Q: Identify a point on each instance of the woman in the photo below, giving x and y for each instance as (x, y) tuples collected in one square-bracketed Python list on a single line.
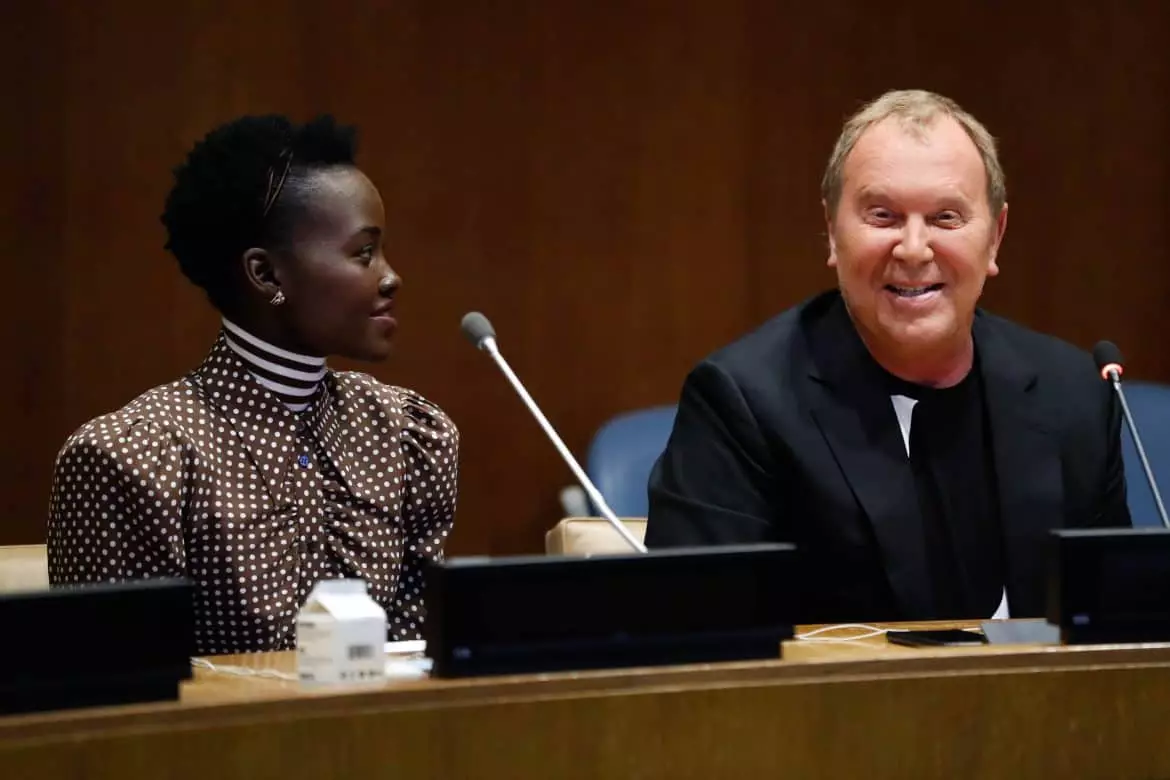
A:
[(263, 472)]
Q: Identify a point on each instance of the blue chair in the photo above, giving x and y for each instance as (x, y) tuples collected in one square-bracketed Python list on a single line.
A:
[(1149, 402), (619, 461)]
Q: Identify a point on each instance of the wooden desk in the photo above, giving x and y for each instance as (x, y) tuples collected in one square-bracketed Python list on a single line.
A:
[(831, 710)]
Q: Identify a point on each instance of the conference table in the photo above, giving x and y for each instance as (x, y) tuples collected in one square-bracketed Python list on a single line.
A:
[(831, 707)]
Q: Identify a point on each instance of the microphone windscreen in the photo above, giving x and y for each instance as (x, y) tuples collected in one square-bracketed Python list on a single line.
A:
[(476, 328), (1106, 353)]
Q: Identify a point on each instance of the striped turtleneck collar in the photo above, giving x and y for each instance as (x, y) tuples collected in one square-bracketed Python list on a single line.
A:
[(290, 377)]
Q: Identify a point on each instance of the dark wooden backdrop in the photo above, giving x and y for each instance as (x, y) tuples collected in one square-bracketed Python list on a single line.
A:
[(621, 187)]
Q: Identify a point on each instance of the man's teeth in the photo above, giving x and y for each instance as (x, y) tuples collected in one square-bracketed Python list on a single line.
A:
[(911, 292)]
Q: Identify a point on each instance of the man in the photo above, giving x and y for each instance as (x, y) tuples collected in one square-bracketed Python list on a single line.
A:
[(915, 449)]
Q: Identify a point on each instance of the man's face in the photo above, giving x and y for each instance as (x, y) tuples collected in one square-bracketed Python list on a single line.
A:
[(913, 238)]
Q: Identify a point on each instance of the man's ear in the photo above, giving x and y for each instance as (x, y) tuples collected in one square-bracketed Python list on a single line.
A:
[(1000, 229), (829, 233)]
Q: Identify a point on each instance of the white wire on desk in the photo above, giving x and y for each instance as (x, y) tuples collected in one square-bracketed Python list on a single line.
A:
[(243, 671), (411, 664), (870, 632), (404, 660)]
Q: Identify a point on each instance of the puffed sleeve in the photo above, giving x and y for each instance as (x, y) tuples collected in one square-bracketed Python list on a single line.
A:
[(115, 512), (430, 449)]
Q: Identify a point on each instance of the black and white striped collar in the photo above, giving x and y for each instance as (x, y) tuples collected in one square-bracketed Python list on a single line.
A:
[(291, 377)]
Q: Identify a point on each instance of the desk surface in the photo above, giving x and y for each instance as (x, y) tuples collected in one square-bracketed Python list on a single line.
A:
[(826, 709)]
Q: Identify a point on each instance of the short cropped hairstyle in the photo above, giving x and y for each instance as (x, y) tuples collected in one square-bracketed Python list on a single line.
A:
[(239, 187)]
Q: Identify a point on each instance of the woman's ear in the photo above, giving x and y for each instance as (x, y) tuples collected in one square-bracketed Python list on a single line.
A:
[(260, 272)]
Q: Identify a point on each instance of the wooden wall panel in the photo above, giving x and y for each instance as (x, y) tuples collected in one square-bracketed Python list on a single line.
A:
[(620, 187), (35, 271)]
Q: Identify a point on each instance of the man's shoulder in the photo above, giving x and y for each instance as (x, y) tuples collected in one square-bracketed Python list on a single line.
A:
[(1043, 352), (772, 343)]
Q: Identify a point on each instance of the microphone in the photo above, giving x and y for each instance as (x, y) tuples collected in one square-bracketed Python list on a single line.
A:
[(1111, 365), (479, 331)]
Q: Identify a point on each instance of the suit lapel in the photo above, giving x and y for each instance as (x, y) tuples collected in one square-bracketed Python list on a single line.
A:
[(859, 424), (1027, 463), (883, 484)]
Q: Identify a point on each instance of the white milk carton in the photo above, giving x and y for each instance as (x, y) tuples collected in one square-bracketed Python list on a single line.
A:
[(341, 633)]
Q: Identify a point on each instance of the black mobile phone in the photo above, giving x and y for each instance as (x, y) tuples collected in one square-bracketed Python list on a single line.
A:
[(947, 637)]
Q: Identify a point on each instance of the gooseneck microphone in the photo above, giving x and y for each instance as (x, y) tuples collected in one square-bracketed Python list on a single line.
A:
[(1111, 366), (479, 331)]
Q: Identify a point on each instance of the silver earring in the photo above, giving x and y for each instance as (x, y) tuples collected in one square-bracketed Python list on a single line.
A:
[(278, 298)]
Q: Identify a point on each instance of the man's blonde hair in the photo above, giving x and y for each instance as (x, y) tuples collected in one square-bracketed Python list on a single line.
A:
[(916, 110)]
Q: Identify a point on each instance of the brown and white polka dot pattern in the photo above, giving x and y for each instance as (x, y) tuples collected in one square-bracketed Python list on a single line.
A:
[(214, 479)]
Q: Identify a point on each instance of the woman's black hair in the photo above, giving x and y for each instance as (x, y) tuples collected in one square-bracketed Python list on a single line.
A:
[(238, 188)]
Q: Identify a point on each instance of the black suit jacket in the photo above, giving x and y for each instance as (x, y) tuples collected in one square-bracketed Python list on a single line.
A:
[(783, 436)]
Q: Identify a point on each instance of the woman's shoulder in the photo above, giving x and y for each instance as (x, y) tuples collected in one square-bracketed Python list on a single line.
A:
[(412, 408), (152, 419)]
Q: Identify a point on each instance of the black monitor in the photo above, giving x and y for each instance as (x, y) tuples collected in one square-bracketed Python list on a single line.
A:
[(1110, 585), (90, 645), (548, 613)]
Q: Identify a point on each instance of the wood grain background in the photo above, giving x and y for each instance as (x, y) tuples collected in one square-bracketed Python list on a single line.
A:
[(621, 187)]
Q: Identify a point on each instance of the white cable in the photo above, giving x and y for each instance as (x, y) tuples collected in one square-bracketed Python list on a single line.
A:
[(403, 659), (870, 632), (243, 671)]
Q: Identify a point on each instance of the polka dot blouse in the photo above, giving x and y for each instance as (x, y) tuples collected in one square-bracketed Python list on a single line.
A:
[(213, 478)]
